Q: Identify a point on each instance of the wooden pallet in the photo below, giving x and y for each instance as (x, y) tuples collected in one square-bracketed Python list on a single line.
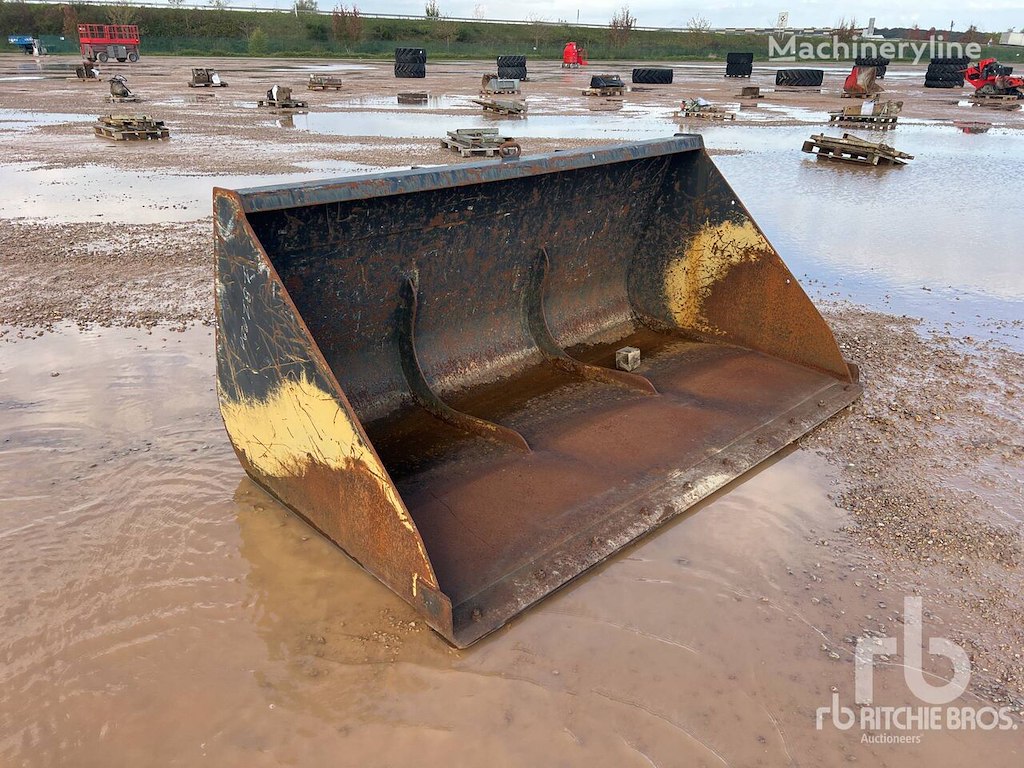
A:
[(750, 92), (469, 142), (323, 82), (486, 151), (851, 149), (869, 120), (130, 128), (996, 97), (611, 91), (282, 104), (125, 99), (502, 107), (852, 95), (418, 97), (1006, 102), (708, 114), (1003, 106)]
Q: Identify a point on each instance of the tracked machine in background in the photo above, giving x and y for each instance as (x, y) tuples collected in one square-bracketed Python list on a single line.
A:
[(990, 78)]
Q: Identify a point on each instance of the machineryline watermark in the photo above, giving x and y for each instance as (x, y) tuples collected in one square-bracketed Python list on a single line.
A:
[(905, 724), (791, 48)]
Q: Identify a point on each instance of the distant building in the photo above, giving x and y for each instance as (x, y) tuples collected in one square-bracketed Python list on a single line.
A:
[(1012, 38)]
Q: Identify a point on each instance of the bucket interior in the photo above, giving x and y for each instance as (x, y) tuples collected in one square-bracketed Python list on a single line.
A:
[(473, 328)]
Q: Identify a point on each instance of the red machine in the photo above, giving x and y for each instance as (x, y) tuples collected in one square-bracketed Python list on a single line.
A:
[(573, 56), (991, 78), (102, 42)]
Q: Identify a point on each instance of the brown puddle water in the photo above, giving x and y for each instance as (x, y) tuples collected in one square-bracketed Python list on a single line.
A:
[(158, 609)]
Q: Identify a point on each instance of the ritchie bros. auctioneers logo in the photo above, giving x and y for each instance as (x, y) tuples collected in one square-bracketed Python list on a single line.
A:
[(902, 725)]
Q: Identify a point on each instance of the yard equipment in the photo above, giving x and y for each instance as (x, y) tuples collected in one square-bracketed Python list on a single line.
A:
[(280, 97), (87, 71), (30, 46), (324, 82), (421, 363), (204, 77), (102, 42), (119, 90), (860, 83), (494, 85), (990, 78), (871, 114), (573, 56), (704, 109), (605, 85)]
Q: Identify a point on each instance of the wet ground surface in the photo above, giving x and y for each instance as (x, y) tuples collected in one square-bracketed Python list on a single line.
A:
[(160, 609)]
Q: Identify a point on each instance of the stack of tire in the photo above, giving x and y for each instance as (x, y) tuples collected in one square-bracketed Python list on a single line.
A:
[(799, 77), (739, 64), (512, 67), (652, 75), (946, 73), (878, 62), (410, 62)]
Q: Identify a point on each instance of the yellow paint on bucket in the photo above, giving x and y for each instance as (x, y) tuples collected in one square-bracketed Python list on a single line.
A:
[(299, 425), (707, 259)]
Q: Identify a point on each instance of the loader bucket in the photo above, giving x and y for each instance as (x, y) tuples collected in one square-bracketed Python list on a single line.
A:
[(422, 363)]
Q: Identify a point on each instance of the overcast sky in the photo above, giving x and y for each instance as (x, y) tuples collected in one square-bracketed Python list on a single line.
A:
[(989, 15)]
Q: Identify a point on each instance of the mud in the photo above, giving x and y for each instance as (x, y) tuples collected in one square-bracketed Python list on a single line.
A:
[(158, 608)]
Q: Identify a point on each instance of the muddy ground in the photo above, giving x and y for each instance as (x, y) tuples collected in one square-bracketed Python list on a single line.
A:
[(915, 490)]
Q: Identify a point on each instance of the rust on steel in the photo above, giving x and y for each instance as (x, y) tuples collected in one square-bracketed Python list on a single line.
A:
[(421, 363)]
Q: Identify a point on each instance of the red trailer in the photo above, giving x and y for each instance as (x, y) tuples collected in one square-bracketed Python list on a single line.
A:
[(101, 42)]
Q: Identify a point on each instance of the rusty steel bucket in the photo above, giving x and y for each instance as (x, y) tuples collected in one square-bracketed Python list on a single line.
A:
[(422, 363)]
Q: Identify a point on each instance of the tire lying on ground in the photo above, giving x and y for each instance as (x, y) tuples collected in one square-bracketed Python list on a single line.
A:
[(799, 77), (655, 76), (512, 61), (410, 56), (512, 73), (410, 70)]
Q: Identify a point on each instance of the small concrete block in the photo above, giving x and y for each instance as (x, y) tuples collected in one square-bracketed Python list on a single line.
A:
[(627, 358)]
